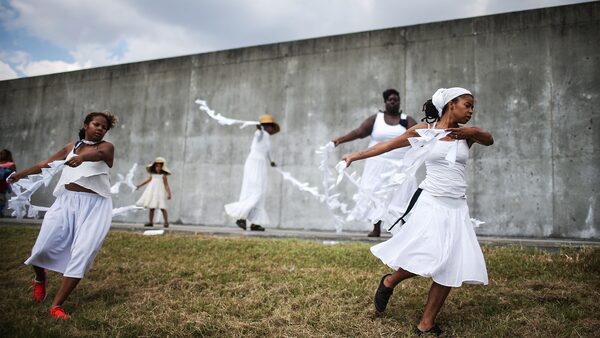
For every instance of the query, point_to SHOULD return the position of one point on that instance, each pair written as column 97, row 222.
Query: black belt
column 411, row 204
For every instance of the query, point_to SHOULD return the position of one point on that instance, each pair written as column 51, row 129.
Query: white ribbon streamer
column 476, row 223
column 25, row 187
column 127, row 180
column 222, row 120
column 302, row 186
column 124, row 210
column 329, row 183
column 34, row 211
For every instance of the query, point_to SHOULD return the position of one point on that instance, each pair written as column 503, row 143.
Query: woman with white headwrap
column 438, row 239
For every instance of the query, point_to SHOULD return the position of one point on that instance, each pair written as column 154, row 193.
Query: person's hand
column 74, row 161
column 460, row 133
column 335, row 143
column 12, row 178
column 169, row 196
column 349, row 158
column 273, row 164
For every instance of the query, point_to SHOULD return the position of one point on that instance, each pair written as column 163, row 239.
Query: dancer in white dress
column 381, row 127
column 438, row 239
column 77, row 223
column 251, row 204
column 158, row 191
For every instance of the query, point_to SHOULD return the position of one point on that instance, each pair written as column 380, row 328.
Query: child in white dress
column 158, row 191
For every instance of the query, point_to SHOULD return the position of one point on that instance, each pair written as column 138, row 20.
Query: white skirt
column 251, row 204
column 155, row 195
column 437, row 241
column 72, row 233
column 386, row 207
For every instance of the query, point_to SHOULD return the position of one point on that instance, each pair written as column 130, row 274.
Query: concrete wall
column 535, row 75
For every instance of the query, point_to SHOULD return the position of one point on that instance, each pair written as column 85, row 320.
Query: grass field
column 183, row 285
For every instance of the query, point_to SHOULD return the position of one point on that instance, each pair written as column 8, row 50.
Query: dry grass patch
column 177, row 285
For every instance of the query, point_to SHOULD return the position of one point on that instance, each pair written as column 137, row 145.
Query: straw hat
column 159, row 160
column 268, row 119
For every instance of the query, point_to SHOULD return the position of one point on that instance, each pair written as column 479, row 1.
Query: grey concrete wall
column 535, row 76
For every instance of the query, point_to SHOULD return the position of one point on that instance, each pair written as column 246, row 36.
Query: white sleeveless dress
column 438, row 239
column 155, row 195
column 76, row 224
column 251, row 203
column 375, row 175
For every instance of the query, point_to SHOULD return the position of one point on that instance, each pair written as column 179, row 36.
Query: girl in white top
column 158, row 191
column 438, row 239
column 251, row 203
column 381, row 127
column 77, row 222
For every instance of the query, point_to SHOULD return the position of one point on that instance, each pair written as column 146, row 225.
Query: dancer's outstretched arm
column 362, row 131
column 37, row 168
column 384, row 147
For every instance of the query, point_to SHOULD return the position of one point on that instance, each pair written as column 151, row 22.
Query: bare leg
column 396, row 277
column 40, row 273
column 151, row 218
column 435, row 300
column 165, row 217
column 66, row 287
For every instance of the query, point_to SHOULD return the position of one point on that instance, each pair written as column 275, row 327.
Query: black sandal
column 148, row 224
column 256, row 227
column 241, row 223
column 382, row 295
column 435, row 330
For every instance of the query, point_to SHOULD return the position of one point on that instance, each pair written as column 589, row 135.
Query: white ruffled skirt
column 72, row 233
column 386, row 207
column 251, row 204
column 437, row 241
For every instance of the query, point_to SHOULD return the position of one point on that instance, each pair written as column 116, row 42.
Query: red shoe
column 39, row 290
column 57, row 311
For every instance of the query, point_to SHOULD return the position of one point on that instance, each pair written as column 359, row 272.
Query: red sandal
column 58, row 312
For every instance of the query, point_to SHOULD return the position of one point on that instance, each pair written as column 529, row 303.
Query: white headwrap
column 445, row 95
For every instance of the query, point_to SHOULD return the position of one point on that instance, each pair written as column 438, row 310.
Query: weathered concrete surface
column 535, row 75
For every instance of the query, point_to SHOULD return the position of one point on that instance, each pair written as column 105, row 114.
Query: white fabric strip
column 26, row 187
column 127, row 180
column 222, row 120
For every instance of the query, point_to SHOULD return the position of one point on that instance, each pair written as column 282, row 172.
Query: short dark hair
column 111, row 120
column 388, row 92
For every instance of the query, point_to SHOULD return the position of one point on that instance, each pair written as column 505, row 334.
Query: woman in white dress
column 438, row 239
column 381, row 127
column 251, row 204
column 77, row 222
column 158, row 191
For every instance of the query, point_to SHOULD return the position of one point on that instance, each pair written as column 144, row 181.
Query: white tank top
column 384, row 132
column 443, row 178
column 90, row 175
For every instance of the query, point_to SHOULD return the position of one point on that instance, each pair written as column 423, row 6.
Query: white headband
column 445, row 95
